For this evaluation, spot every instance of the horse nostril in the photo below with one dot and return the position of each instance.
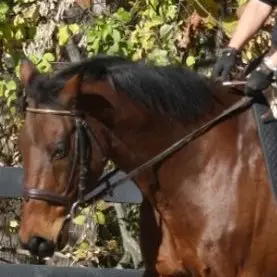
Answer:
(41, 247)
(33, 244)
(46, 249)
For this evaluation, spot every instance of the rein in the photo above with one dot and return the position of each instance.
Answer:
(104, 186)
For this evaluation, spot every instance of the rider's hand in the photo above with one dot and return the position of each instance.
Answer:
(224, 64)
(258, 80)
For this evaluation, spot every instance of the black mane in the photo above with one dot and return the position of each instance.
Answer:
(172, 90)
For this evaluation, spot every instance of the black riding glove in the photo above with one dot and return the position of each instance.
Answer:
(224, 64)
(258, 80)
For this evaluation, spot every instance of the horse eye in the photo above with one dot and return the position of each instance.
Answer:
(60, 151)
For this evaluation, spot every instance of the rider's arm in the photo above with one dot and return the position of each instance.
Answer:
(253, 17)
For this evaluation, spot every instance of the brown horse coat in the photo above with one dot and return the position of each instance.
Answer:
(208, 209)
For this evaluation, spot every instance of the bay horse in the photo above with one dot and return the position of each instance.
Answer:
(207, 206)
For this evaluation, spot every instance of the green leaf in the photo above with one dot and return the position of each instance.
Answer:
(229, 24)
(6, 93)
(17, 9)
(102, 205)
(11, 98)
(155, 21)
(91, 34)
(31, 32)
(19, 35)
(84, 245)
(99, 218)
(241, 2)
(63, 35)
(114, 49)
(165, 30)
(49, 57)
(86, 210)
(123, 15)
(153, 3)
(44, 66)
(4, 8)
(17, 70)
(137, 55)
(34, 59)
(105, 32)
(79, 220)
(116, 35)
(7, 32)
(11, 85)
(74, 28)
(30, 12)
(95, 45)
(18, 20)
(1, 89)
(171, 12)
(190, 60)
(13, 110)
(159, 56)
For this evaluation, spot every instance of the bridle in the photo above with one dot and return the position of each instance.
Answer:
(82, 142)
(84, 136)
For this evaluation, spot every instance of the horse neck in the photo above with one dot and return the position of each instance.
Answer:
(139, 135)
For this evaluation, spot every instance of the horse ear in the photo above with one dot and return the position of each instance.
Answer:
(27, 71)
(71, 87)
(70, 90)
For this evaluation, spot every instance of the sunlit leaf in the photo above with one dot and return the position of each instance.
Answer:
(4, 8)
(49, 57)
(79, 219)
(84, 245)
(102, 205)
(30, 12)
(190, 61)
(11, 98)
(116, 35)
(74, 28)
(44, 66)
(123, 15)
(63, 35)
(11, 85)
(165, 30)
(99, 217)
(19, 35)
(1, 88)
(18, 20)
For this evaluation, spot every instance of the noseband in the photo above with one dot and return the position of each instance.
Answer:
(83, 139)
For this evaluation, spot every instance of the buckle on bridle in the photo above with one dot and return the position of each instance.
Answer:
(73, 210)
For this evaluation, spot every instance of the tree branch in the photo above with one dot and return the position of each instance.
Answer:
(130, 246)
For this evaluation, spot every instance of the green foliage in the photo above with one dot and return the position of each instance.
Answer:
(151, 36)
(4, 8)
(150, 28)
(8, 91)
(97, 214)
(65, 31)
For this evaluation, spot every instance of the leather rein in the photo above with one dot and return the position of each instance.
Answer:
(84, 137)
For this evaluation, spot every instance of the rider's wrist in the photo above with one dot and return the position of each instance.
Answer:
(233, 47)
